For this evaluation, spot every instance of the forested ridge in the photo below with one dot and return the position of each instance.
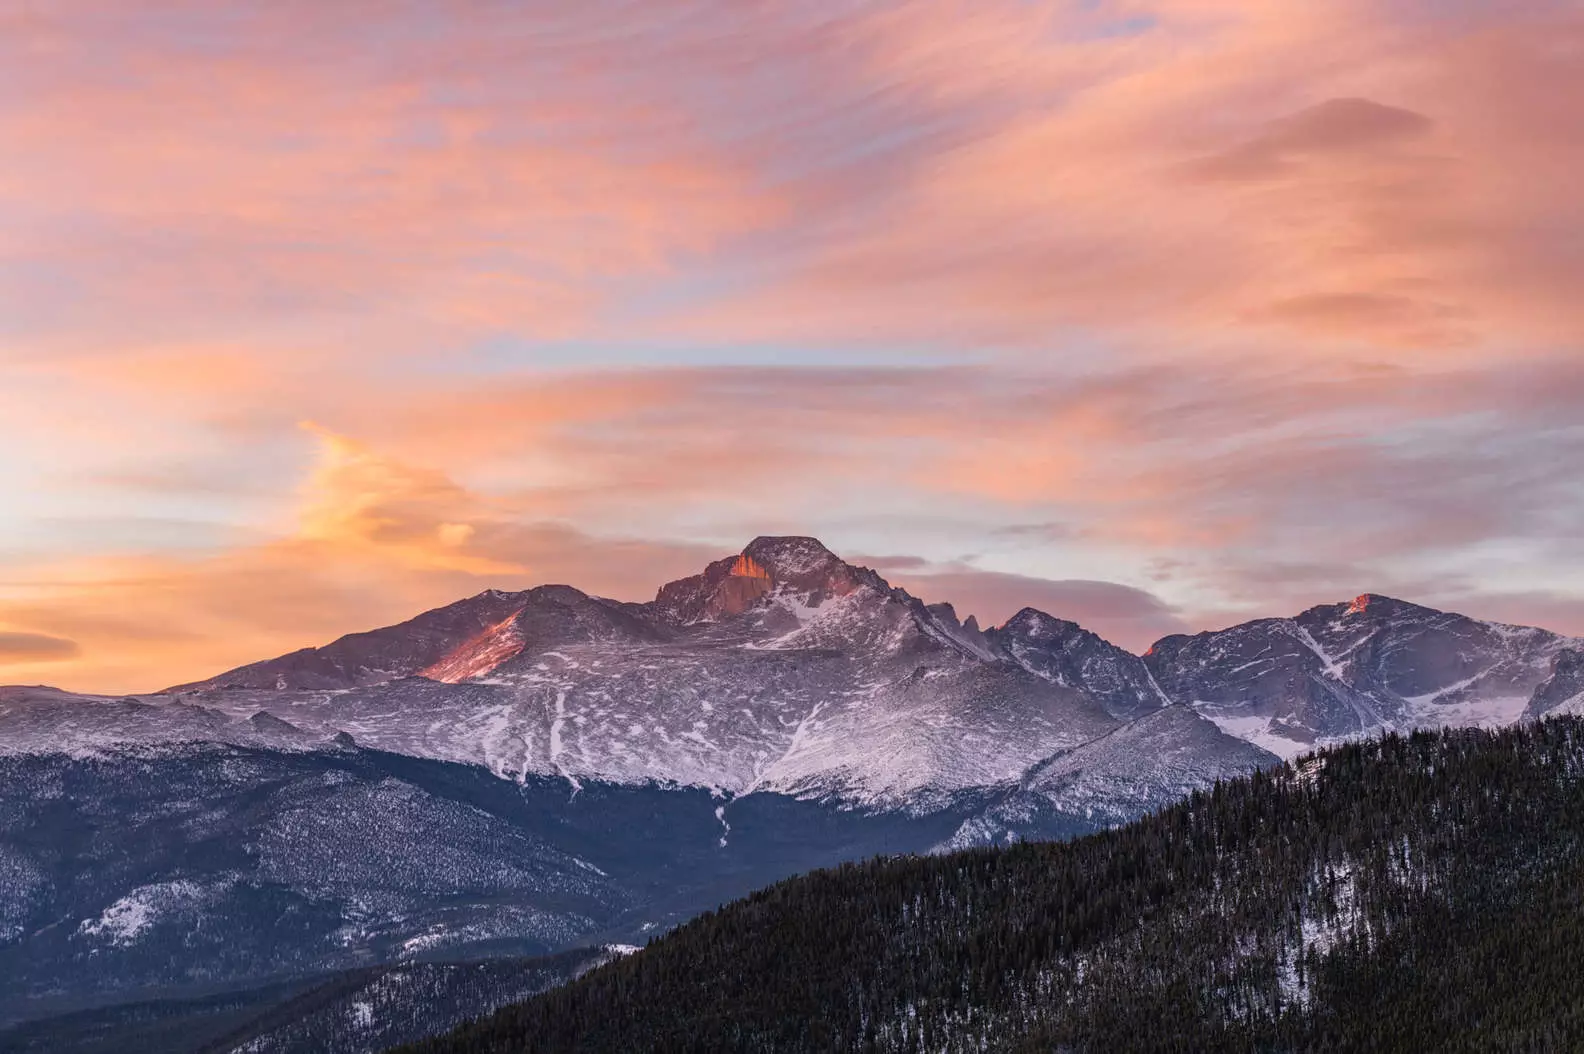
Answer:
(1411, 893)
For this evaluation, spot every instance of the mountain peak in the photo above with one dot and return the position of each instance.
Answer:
(791, 556)
(1064, 653)
(1362, 603)
(1378, 604)
(1034, 623)
(733, 584)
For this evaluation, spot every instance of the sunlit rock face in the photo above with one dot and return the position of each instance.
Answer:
(723, 589)
(479, 654)
(746, 566)
(728, 587)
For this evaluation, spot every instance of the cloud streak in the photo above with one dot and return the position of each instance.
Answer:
(18, 647)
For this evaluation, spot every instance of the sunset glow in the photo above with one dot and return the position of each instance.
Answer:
(1155, 315)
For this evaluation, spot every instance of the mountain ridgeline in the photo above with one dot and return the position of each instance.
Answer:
(1404, 894)
(521, 773)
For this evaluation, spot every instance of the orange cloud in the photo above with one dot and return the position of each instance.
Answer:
(357, 500)
(374, 540)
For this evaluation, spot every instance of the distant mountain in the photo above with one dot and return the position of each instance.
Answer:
(1402, 894)
(1342, 671)
(140, 873)
(467, 639)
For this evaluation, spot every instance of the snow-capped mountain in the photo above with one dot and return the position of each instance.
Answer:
(454, 643)
(527, 771)
(782, 668)
(785, 669)
(1341, 671)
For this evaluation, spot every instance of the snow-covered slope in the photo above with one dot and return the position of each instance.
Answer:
(1346, 670)
(1142, 766)
(460, 640)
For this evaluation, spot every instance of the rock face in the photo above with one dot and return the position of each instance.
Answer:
(732, 585)
(1563, 691)
(1344, 670)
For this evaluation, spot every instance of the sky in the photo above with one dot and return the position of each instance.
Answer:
(1155, 315)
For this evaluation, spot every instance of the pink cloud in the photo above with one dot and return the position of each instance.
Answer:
(1224, 289)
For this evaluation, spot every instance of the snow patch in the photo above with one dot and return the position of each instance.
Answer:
(123, 922)
(1256, 730)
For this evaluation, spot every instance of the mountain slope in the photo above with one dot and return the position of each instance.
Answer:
(171, 868)
(1562, 692)
(438, 642)
(1404, 894)
(1145, 765)
(163, 872)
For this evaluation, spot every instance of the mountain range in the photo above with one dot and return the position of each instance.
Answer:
(523, 772)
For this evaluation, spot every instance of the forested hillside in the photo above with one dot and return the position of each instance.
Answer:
(353, 1012)
(1418, 893)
